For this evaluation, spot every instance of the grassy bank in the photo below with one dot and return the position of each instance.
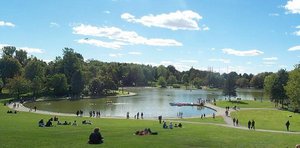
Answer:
(21, 130)
(246, 104)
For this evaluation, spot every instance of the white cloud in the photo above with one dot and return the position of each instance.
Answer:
(54, 25)
(249, 63)
(116, 55)
(3, 45)
(293, 6)
(269, 63)
(126, 37)
(98, 43)
(270, 59)
(295, 48)
(220, 60)
(107, 12)
(27, 49)
(273, 14)
(179, 20)
(8, 24)
(135, 53)
(31, 50)
(253, 52)
(297, 33)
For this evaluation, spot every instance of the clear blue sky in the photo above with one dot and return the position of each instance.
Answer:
(249, 36)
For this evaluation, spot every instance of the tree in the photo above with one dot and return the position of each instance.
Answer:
(18, 85)
(77, 83)
(21, 56)
(162, 71)
(274, 86)
(229, 85)
(162, 82)
(9, 68)
(242, 82)
(71, 62)
(35, 69)
(8, 51)
(37, 85)
(96, 87)
(197, 82)
(172, 80)
(58, 83)
(185, 80)
(1, 85)
(293, 88)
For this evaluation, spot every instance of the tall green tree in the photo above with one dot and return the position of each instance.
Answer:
(197, 82)
(37, 85)
(21, 56)
(59, 85)
(293, 88)
(77, 83)
(8, 51)
(162, 82)
(18, 85)
(172, 80)
(96, 87)
(229, 85)
(71, 62)
(185, 80)
(35, 69)
(9, 67)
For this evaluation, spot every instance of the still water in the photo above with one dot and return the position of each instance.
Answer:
(151, 101)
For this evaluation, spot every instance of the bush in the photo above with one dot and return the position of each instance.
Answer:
(176, 86)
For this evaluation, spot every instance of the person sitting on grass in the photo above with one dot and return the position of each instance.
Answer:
(171, 125)
(41, 123)
(165, 125)
(49, 123)
(180, 125)
(74, 123)
(86, 122)
(96, 137)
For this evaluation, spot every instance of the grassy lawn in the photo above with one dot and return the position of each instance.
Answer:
(246, 104)
(269, 119)
(218, 119)
(20, 130)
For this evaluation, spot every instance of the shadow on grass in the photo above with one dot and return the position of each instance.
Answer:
(238, 102)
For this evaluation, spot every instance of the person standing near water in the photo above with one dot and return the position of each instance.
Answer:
(287, 124)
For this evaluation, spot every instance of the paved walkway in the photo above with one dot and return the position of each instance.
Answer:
(219, 112)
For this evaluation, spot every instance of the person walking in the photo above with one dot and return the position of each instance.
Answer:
(237, 122)
(287, 124)
(253, 124)
(233, 120)
(249, 124)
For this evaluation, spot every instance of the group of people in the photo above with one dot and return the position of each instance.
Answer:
(202, 116)
(171, 126)
(235, 122)
(179, 114)
(95, 114)
(146, 131)
(137, 116)
(79, 113)
(251, 124)
(11, 112)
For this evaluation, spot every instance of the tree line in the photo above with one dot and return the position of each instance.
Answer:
(71, 75)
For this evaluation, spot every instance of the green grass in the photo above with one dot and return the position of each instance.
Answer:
(21, 130)
(246, 104)
(218, 119)
(269, 119)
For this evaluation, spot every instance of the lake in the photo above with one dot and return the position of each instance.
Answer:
(151, 101)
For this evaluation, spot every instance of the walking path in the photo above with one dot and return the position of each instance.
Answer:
(219, 112)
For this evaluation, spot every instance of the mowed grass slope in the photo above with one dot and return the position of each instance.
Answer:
(246, 104)
(269, 119)
(21, 130)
